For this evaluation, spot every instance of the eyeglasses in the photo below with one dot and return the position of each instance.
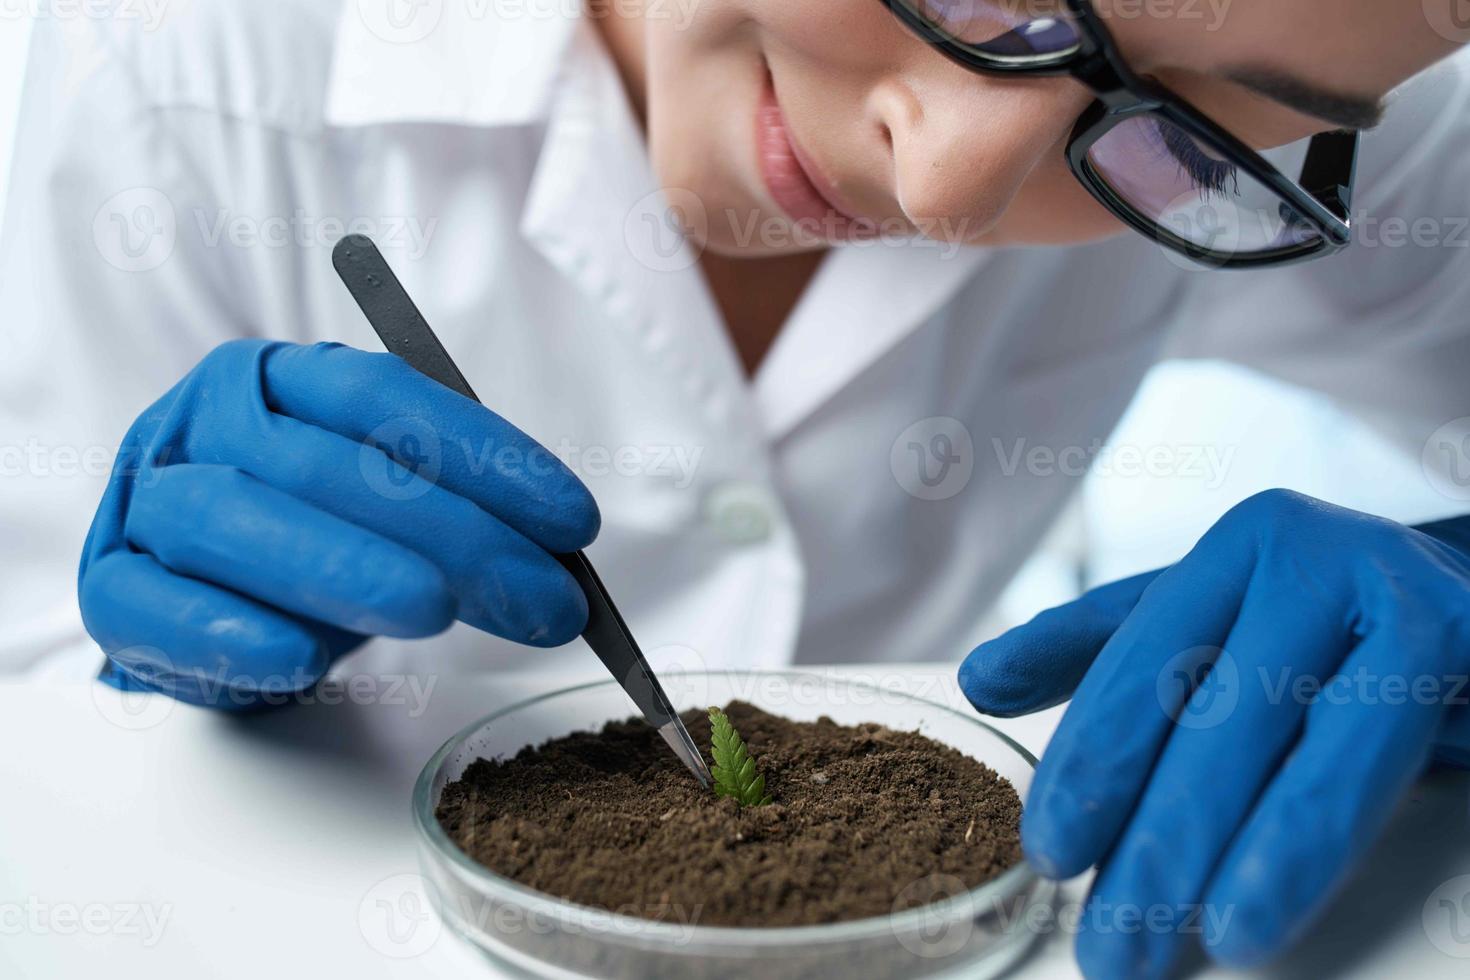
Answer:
(1151, 158)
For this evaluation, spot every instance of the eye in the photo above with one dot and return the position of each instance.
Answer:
(1207, 172)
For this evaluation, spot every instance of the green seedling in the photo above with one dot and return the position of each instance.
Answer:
(734, 770)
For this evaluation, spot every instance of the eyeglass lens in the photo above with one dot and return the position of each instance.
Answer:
(1187, 186)
(1012, 30)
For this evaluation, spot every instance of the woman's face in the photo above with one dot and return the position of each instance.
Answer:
(788, 118)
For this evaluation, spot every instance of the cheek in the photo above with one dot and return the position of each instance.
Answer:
(1052, 208)
(703, 82)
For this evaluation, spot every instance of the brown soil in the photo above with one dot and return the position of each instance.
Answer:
(861, 815)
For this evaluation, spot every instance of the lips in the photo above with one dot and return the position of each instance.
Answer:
(797, 187)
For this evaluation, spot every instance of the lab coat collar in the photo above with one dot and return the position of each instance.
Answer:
(865, 299)
(596, 211)
(461, 62)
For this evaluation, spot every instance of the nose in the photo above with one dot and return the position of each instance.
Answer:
(963, 146)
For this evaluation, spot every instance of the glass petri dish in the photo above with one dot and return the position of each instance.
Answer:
(938, 927)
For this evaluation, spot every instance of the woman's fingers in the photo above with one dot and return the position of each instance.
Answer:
(197, 642)
(1181, 766)
(1238, 725)
(217, 524)
(1040, 664)
(282, 503)
(504, 583)
(479, 500)
(475, 454)
(1098, 762)
(1359, 752)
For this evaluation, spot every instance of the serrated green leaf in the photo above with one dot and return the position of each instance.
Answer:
(755, 795)
(734, 770)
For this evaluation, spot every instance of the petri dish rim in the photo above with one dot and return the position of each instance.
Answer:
(1013, 882)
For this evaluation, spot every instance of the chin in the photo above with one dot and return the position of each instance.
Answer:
(726, 242)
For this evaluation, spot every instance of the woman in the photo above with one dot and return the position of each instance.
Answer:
(762, 274)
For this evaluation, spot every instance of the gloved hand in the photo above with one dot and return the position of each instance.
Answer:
(283, 503)
(1213, 788)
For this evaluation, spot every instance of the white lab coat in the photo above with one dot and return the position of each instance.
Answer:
(180, 183)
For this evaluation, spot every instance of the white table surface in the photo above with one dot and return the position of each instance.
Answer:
(143, 839)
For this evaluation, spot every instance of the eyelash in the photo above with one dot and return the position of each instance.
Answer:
(1204, 171)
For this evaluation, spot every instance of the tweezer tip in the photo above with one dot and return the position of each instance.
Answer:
(677, 736)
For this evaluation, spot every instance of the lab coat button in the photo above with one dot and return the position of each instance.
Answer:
(742, 513)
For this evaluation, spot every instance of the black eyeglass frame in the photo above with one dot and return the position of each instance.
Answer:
(1322, 197)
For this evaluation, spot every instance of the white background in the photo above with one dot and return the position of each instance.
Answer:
(13, 32)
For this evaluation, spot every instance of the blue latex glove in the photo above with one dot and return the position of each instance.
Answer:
(1210, 785)
(283, 503)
